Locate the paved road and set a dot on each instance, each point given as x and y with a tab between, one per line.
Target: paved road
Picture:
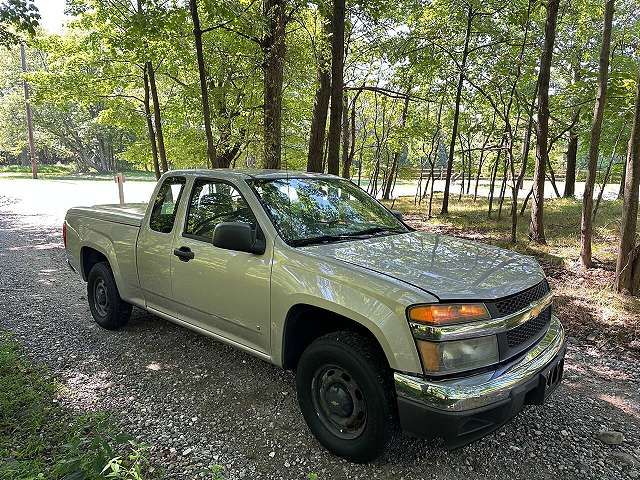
198	402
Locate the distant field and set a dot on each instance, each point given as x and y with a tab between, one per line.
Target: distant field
66	172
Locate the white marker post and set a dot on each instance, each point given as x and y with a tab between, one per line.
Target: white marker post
119	179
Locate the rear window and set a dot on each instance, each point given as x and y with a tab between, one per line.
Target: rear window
165	205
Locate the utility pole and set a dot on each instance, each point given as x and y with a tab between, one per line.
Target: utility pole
27	105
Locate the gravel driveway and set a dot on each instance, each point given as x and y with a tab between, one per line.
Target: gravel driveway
198	402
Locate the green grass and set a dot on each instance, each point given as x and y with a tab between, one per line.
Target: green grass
40	439
562	219
67	172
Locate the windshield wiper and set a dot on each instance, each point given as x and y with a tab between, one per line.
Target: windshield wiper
376	229
363	234
321	239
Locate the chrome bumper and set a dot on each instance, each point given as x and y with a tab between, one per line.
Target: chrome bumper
456	395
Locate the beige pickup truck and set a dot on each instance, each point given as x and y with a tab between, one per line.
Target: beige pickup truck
387	328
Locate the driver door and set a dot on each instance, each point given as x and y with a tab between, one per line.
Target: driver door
223	291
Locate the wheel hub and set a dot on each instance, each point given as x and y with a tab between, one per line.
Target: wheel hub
100	298
339	402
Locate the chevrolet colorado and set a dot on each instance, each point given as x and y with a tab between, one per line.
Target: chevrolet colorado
387	328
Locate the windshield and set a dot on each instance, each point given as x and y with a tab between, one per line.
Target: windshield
316	210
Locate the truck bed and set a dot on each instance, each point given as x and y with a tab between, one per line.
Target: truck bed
127	214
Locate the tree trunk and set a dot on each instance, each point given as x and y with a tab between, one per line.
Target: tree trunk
337	83
157	118
594	141
570	173
623	177
628	262
320	109
526	141
456	114
206	115
396	156
346	173
346	137
152	133
536	227
273	47
572	147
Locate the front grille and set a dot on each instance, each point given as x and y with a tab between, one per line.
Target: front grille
519	301
523	336
528	330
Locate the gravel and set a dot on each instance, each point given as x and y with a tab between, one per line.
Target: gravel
199	403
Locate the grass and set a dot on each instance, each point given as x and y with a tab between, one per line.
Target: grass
41	439
67	172
584	299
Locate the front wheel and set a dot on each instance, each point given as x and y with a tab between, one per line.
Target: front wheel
346	395
108	309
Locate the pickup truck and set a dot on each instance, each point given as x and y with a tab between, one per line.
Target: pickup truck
388	329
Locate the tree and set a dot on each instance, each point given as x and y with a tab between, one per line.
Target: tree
586	230
206	115
17	16
337	84
321	102
536	226
628	261
456	113
274	49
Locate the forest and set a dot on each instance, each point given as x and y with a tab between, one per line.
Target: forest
500	99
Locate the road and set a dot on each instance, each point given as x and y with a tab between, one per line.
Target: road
198	402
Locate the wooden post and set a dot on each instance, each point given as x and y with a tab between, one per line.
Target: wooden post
119	179
27	106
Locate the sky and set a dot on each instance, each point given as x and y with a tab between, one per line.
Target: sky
51	14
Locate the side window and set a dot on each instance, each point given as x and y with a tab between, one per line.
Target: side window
165	205
213	202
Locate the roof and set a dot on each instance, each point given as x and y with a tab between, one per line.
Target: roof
246	174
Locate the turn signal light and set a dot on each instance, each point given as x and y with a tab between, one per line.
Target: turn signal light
444	314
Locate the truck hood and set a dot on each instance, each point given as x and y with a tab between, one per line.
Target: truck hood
447	267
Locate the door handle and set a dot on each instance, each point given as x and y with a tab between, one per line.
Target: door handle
184	253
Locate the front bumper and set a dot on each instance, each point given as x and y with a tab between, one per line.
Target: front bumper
464	409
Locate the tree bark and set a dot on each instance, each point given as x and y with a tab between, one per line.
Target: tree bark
594	142
157	118
206	114
526	140
396	156
337	83
320	110
150	129
346	137
572	146
274	49
536	227
570	173
346	172
456	114
628	261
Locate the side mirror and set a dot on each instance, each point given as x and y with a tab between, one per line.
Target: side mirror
239	237
397	214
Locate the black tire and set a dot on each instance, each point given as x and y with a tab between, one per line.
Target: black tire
328	361
108	309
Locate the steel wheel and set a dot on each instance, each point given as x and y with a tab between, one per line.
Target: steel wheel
100	297
339	402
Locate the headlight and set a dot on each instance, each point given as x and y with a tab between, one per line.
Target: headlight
445	314
458	355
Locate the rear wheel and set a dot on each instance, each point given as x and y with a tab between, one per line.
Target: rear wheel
108	309
346	395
